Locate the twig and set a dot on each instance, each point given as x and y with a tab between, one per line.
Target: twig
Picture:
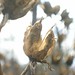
1	73
30	67
49	66
33	67
25	70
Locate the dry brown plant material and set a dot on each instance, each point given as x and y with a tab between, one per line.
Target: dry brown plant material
1	73
14	9
36	48
49	10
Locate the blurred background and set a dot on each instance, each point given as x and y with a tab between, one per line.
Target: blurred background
55	12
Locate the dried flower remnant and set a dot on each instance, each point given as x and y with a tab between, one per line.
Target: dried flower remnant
68	21
64	14
56	9
36	48
14	9
49	10
17	8
65	17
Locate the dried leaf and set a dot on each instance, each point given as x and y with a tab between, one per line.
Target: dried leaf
32	38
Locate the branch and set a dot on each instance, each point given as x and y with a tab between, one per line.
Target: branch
1	73
25	70
29	69
33	67
4	20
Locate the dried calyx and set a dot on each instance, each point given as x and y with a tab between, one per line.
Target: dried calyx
36	48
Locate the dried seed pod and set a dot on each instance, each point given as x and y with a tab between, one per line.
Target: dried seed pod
64	15
32	39
47	8
48	42
56	9
68	21
15	9
36	48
